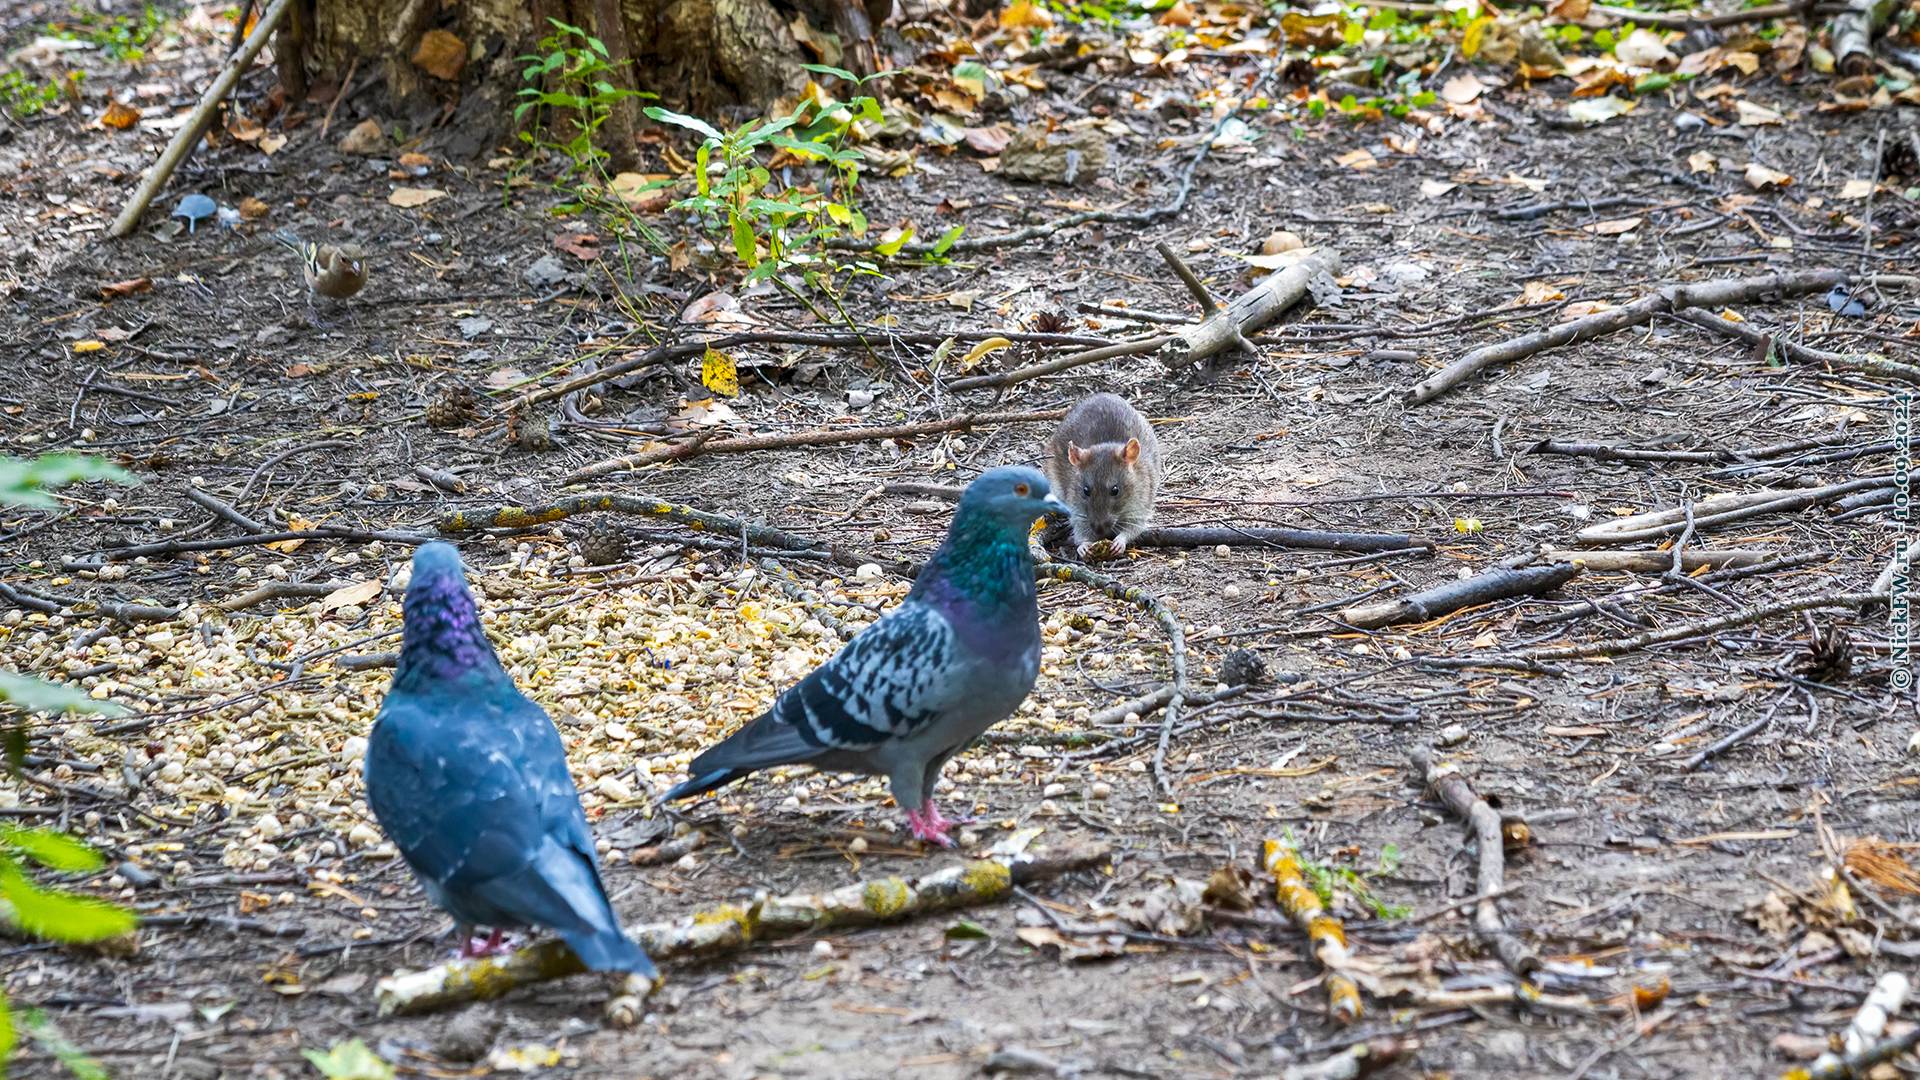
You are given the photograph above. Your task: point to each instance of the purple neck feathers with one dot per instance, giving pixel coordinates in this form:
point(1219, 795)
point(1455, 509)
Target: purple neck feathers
point(441, 638)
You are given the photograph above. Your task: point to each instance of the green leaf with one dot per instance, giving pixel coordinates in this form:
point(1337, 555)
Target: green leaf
point(597, 45)
point(701, 159)
point(7, 1035)
point(743, 239)
point(37, 695)
point(21, 480)
point(893, 246)
point(59, 916)
point(350, 1060)
point(53, 1042)
point(691, 123)
point(947, 239)
point(967, 930)
point(838, 73)
point(52, 849)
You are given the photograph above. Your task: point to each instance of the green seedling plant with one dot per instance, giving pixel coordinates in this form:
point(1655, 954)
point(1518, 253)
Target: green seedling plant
point(775, 227)
point(24, 96)
point(1326, 880)
point(570, 85)
point(118, 37)
point(26, 906)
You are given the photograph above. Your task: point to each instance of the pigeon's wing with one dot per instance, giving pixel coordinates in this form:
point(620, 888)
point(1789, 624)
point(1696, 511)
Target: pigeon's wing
point(893, 678)
point(475, 796)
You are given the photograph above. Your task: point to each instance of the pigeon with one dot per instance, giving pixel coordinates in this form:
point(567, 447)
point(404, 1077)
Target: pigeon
point(955, 658)
point(469, 779)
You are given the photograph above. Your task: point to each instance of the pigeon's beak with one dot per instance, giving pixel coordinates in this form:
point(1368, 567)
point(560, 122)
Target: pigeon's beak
point(1054, 505)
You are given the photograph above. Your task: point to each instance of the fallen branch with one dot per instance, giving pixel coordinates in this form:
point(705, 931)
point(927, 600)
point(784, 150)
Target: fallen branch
point(1862, 1063)
point(1678, 20)
point(1263, 536)
point(732, 927)
point(1750, 334)
point(281, 590)
point(1132, 347)
point(1176, 649)
point(1250, 312)
point(1702, 628)
point(224, 511)
point(1853, 34)
point(1900, 567)
point(1489, 838)
point(182, 547)
point(1713, 294)
point(829, 436)
point(719, 525)
point(1324, 932)
point(1869, 1023)
point(188, 134)
point(1656, 562)
point(1720, 510)
point(1500, 583)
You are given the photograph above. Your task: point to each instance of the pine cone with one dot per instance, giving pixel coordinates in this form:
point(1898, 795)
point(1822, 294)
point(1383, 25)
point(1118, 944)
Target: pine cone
point(603, 545)
point(529, 432)
point(1829, 657)
point(1050, 322)
point(455, 406)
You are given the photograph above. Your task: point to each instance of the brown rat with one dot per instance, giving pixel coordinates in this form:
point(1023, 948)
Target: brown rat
point(1104, 463)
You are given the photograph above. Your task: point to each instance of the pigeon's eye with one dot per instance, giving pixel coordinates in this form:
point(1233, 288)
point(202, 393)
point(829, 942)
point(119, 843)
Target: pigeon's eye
point(1114, 491)
point(1086, 490)
point(1021, 489)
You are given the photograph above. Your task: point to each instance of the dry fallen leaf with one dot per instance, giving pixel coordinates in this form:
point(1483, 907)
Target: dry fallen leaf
point(1598, 110)
point(126, 288)
point(1856, 189)
point(355, 595)
point(1024, 13)
point(119, 117)
point(1750, 115)
point(1462, 89)
point(1644, 49)
point(1541, 292)
point(1759, 176)
point(1613, 227)
point(407, 198)
point(441, 55)
point(1433, 189)
point(1700, 161)
point(253, 209)
point(1359, 159)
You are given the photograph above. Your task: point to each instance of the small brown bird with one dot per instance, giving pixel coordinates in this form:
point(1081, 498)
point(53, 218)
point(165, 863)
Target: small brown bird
point(330, 271)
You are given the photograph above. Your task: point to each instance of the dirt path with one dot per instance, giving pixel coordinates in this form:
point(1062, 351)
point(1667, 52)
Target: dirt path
point(1699, 887)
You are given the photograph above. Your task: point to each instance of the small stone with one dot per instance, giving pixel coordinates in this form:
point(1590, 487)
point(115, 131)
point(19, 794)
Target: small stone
point(269, 827)
point(1222, 551)
point(868, 572)
point(363, 835)
point(858, 845)
point(1453, 735)
point(1231, 592)
point(823, 949)
point(1099, 789)
point(1054, 790)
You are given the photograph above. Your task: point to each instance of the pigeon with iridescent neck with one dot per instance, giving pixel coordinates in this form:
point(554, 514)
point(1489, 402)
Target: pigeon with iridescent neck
point(957, 656)
point(469, 779)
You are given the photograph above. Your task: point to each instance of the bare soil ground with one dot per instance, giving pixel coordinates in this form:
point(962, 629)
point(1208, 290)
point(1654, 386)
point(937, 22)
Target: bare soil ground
point(1641, 873)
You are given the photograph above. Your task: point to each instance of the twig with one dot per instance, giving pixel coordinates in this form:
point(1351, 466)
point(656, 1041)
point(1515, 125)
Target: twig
point(1261, 536)
point(518, 517)
point(1353, 1063)
point(189, 133)
point(1746, 732)
point(339, 95)
point(1188, 278)
point(1721, 510)
point(1499, 583)
point(1790, 350)
point(731, 928)
point(1713, 294)
point(281, 590)
point(224, 511)
point(1130, 347)
point(815, 437)
point(1489, 839)
point(1176, 648)
point(1251, 311)
point(1656, 562)
point(1325, 934)
point(1897, 567)
point(180, 547)
point(1702, 628)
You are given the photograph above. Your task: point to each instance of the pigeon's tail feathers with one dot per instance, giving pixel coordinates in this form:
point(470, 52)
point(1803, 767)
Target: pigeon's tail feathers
point(762, 744)
point(610, 951)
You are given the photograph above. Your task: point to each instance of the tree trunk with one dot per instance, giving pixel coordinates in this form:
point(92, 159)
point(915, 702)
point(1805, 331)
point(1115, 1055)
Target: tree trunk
point(697, 55)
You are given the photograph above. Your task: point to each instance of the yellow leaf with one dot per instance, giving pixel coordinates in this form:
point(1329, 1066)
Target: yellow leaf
point(1466, 526)
point(1475, 35)
point(1023, 13)
point(718, 374)
point(982, 351)
point(88, 346)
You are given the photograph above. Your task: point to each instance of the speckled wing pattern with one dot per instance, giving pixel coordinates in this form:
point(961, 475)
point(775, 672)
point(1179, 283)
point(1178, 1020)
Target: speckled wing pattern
point(896, 676)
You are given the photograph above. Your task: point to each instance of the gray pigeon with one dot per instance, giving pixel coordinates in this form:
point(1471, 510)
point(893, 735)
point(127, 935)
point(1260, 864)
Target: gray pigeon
point(470, 781)
point(907, 693)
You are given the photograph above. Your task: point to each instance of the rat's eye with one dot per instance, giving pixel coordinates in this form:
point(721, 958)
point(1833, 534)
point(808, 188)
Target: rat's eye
point(1086, 490)
point(1114, 491)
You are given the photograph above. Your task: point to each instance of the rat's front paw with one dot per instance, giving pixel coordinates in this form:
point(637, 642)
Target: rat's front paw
point(1118, 546)
point(1085, 551)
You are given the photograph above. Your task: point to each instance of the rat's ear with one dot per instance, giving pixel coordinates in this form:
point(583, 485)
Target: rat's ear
point(1076, 457)
point(1130, 453)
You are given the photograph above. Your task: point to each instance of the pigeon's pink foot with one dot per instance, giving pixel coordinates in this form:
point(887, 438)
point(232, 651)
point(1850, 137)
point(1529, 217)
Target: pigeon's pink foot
point(496, 944)
point(938, 821)
point(930, 828)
